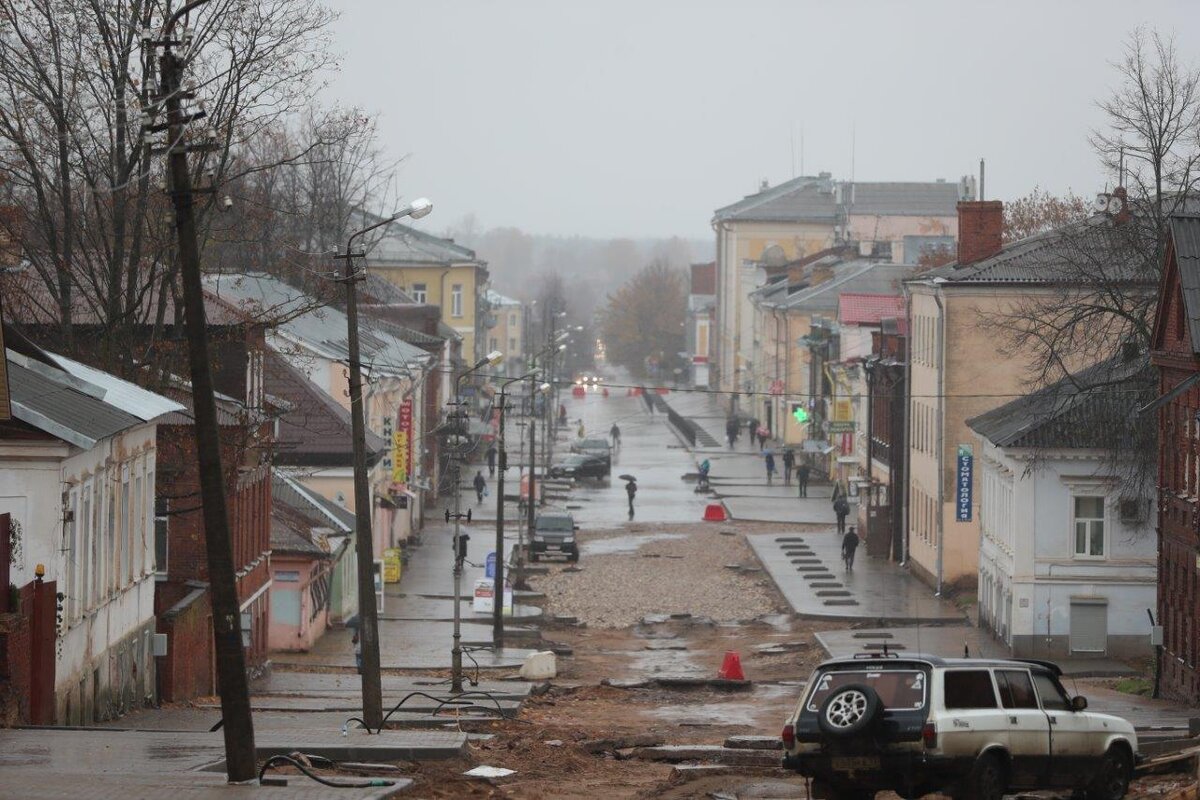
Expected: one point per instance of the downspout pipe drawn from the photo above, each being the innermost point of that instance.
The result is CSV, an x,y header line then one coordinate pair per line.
x,y
941,442
908,357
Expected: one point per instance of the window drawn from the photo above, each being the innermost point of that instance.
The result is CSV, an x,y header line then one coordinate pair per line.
x,y
419,292
456,300
896,688
512,320
287,575
492,344
1053,696
126,566
1016,690
161,533
512,345
968,688
87,567
1089,527
74,551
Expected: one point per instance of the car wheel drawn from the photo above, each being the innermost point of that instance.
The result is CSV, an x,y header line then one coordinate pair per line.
x,y
849,711
987,780
1112,779
842,791
533,557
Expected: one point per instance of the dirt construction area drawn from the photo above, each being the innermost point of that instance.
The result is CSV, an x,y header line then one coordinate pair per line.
x,y
652,604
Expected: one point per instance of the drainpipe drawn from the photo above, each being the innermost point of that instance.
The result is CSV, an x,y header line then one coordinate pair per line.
x,y
908,355
941,441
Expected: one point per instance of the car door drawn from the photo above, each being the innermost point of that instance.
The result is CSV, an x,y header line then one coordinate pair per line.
x,y
1028,728
974,719
1070,734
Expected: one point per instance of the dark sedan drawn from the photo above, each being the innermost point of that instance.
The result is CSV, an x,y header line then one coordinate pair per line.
x,y
581,465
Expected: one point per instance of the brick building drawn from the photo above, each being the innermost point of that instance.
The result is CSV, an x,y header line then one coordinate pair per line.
x,y
1176,353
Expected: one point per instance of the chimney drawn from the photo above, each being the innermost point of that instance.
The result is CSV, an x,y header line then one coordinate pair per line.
x,y
980,230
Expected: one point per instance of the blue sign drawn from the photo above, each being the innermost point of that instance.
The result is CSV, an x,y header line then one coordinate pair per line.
x,y
966,466
489,570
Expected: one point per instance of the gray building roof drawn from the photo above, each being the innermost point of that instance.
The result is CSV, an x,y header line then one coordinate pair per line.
x,y
820,199
1095,249
141,403
62,405
858,276
1185,235
325,513
319,328
1083,411
402,244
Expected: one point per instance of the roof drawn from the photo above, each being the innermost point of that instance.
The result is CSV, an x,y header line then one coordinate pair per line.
x,y
316,432
297,512
821,199
494,298
62,405
313,325
704,278
289,491
1080,411
291,532
856,308
1185,236
378,289
129,397
1095,249
407,245
857,276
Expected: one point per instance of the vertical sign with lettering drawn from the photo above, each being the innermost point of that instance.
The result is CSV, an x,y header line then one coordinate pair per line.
x,y
962,494
402,443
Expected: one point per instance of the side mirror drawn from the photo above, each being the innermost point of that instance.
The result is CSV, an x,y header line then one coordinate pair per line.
x,y
1078,703
576,527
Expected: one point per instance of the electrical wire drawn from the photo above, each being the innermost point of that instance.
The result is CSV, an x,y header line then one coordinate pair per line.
x,y
294,760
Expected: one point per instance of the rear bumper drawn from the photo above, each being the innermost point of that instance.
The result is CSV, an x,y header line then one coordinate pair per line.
x,y
903,770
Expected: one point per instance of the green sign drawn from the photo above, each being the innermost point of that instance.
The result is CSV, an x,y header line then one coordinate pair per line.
x,y
800,414
841,427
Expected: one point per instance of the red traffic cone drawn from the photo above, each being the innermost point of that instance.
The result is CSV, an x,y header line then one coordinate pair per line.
x,y
714,512
731,667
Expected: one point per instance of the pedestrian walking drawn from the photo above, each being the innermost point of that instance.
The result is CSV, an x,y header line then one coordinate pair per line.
x,y
731,431
631,492
752,431
849,547
491,460
842,509
802,479
582,432
763,435
770,459
789,463
702,482
837,492
562,414
480,485
615,433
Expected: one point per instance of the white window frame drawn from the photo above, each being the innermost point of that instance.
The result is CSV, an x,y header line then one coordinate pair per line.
x,y
160,570
420,292
1103,520
456,300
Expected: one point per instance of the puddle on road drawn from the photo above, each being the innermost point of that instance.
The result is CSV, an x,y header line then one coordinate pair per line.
x,y
618,545
767,704
663,663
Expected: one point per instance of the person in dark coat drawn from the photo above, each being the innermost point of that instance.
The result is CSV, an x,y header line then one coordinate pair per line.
x,y
752,431
631,492
491,459
789,463
802,479
480,485
731,431
770,459
849,547
842,509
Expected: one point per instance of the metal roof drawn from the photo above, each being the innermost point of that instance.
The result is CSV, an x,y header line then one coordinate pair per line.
x,y
63,406
849,276
407,245
820,199
1083,411
317,327
129,397
1185,234
286,489
802,199
909,199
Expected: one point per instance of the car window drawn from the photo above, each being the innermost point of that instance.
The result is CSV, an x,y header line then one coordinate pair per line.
x,y
897,689
1053,696
555,524
968,688
1016,690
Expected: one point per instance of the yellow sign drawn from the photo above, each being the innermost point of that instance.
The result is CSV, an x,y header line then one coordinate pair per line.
x,y
400,456
391,565
843,410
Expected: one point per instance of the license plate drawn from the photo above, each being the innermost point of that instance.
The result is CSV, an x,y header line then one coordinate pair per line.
x,y
554,547
855,763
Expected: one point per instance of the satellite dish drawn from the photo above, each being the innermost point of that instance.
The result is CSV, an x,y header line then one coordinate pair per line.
x,y
1101,202
774,256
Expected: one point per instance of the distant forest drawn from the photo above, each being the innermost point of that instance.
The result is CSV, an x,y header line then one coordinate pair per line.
x,y
590,268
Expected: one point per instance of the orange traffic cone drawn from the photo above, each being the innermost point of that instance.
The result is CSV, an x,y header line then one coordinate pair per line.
x,y
714,512
731,667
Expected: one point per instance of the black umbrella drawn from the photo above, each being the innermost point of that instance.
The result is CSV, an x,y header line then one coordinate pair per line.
x,y
627,478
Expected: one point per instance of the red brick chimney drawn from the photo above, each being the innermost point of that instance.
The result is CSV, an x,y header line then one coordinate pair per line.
x,y
980,230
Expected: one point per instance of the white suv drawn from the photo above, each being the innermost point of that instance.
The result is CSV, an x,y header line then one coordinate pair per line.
x,y
974,728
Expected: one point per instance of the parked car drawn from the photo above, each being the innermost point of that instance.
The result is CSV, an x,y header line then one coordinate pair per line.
x,y
581,465
973,728
594,446
554,534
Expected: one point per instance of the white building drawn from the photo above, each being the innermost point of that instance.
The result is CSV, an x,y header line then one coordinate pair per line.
x,y
1067,562
77,463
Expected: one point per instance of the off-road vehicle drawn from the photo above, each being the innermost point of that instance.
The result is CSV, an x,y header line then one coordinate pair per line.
x,y
972,728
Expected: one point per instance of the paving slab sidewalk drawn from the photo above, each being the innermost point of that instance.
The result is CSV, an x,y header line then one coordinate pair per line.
x,y
808,571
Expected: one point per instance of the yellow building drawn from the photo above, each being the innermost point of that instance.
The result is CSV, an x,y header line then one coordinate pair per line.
x,y
440,273
506,331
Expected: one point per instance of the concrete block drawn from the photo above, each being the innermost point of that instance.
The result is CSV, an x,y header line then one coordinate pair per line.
x,y
539,666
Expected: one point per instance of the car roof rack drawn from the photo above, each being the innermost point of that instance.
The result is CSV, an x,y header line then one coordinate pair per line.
x,y
1050,665
877,654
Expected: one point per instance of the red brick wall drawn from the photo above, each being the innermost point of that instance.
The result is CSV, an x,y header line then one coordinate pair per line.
x,y
187,669
980,230
15,644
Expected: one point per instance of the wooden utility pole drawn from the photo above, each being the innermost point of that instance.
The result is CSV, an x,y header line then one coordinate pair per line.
x,y
232,684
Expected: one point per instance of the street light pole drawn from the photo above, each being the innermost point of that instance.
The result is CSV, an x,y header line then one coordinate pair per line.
x,y
498,577
368,621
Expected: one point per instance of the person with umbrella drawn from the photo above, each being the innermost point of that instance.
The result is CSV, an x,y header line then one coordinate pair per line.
x,y
630,490
770,459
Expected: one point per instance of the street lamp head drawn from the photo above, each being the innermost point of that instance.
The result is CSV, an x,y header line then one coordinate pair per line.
x,y
416,209
494,357
545,388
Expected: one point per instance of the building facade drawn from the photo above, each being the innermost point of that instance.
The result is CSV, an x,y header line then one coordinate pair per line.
x,y
505,325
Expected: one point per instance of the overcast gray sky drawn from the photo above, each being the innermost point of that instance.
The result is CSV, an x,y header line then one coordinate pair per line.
x,y
638,118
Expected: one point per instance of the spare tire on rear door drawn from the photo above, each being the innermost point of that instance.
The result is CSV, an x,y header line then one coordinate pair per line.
x,y
849,711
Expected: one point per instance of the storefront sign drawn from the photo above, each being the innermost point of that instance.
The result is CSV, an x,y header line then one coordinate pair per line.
x,y
402,443
966,466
